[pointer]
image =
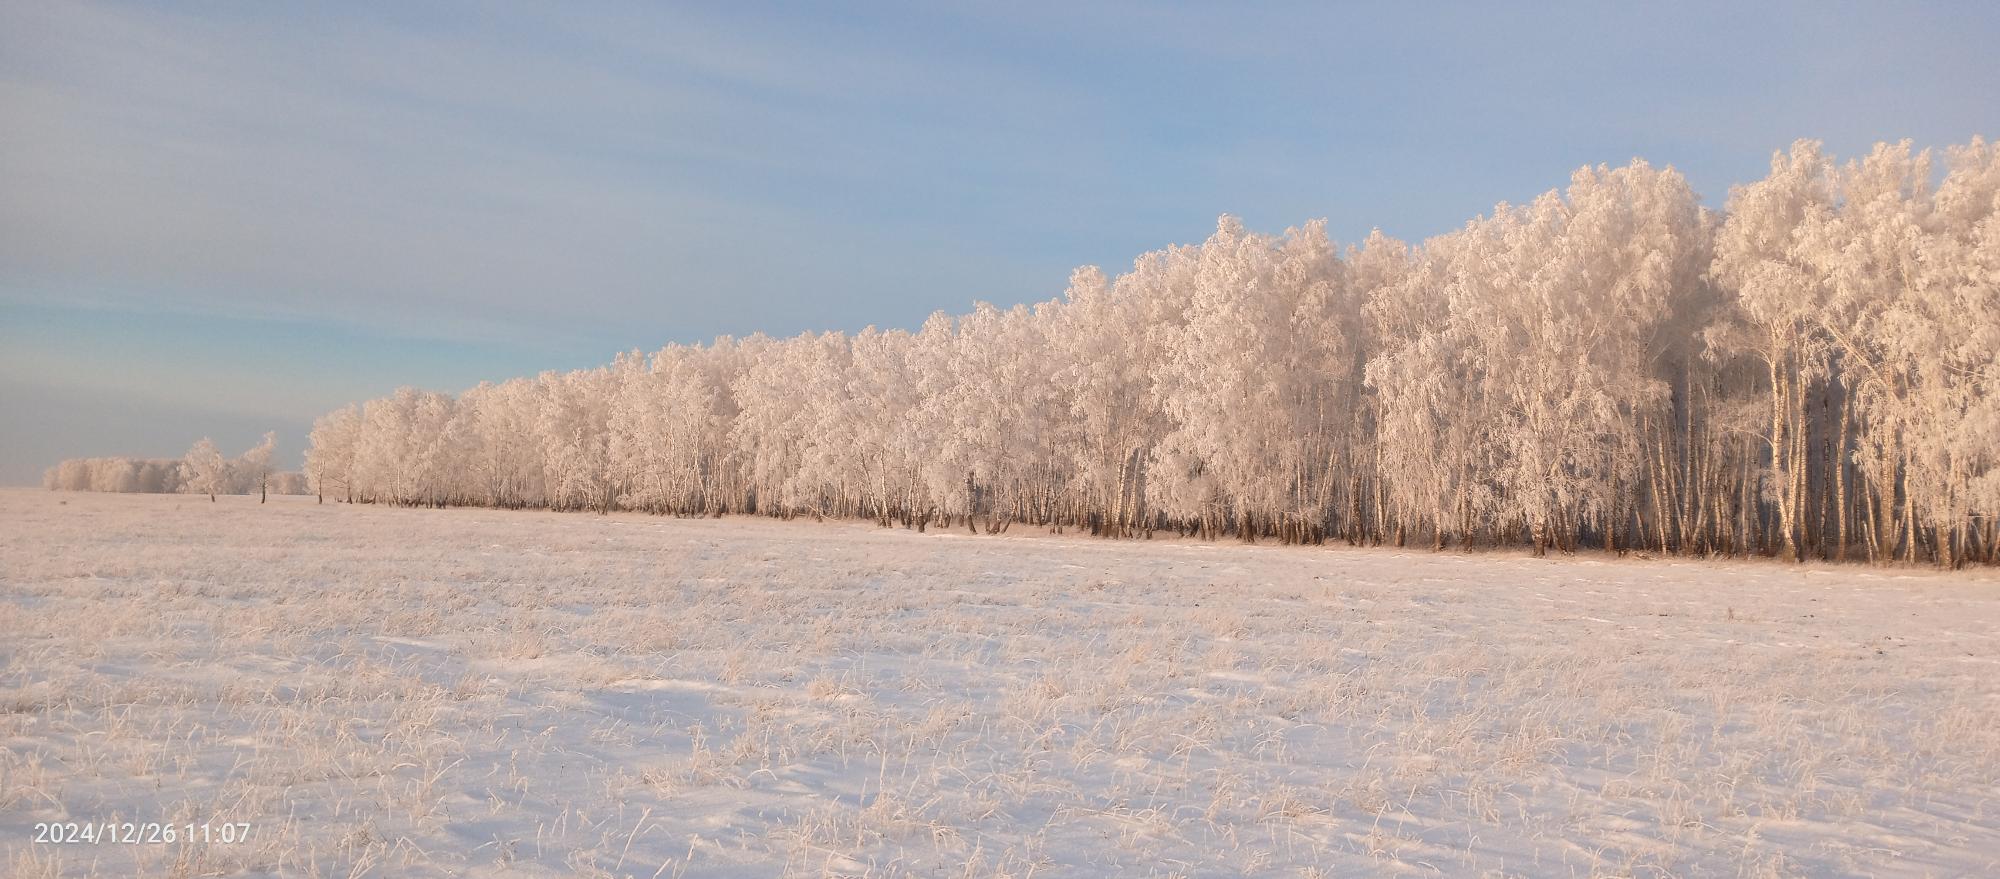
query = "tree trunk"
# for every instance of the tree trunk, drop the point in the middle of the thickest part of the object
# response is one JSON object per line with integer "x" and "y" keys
{"x": 1117, "y": 512}
{"x": 1781, "y": 450}
{"x": 1910, "y": 523}
{"x": 1840, "y": 475}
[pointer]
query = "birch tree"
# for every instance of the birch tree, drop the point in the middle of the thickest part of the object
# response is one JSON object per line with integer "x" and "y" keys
{"x": 205, "y": 470}
{"x": 1763, "y": 253}
{"x": 257, "y": 465}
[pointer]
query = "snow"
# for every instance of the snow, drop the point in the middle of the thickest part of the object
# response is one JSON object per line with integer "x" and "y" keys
{"x": 407, "y": 692}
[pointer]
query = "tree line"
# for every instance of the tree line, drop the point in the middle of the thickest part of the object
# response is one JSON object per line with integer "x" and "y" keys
{"x": 1812, "y": 372}
{"x": 203, "y": 470}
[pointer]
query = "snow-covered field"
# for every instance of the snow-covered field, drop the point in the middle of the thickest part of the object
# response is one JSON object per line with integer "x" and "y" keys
{"x": 403, "y": 692}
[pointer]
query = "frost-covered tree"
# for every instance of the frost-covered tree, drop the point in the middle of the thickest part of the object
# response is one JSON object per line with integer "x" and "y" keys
{"x": 124, "y": 475}
{"x": 1254, "y": 381}
{"x": 874, "y": 429}
{"x": 330, "y": 451}
{"x": 1108, "y": 422}
{"x": 1764, "y": 254}
{"x": 1947, "y": 327}
{"x": 1909, "y": 269}
{"x": 666, "y": 442}
{"x": 205, "y": 471}
{"x": 1610, "y": 364}
{"x": 1563, "y": 311}
{"x": 1432, "y": 459}
{"x": 257, "y": 466}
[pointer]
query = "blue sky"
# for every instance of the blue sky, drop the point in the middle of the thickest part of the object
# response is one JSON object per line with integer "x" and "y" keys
{"x": 225, "y": 218}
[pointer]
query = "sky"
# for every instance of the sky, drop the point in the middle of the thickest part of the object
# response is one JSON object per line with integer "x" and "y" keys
{"x": 220, "y": 219}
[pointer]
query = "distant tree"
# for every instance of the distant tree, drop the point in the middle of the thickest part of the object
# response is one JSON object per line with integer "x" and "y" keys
{"x": 330, "y": 456}
{"x": 205, "y": 471}
{"x": 290, "y": 482}
{"x": 257, "y": 465}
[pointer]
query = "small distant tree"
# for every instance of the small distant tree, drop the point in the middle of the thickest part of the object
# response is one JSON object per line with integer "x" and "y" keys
{"x": 257, "y": 463}
{"x": 204, "y": 469}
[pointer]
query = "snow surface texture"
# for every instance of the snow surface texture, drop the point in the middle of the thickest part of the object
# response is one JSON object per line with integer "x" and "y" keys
{"x": 403, "y": 692}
